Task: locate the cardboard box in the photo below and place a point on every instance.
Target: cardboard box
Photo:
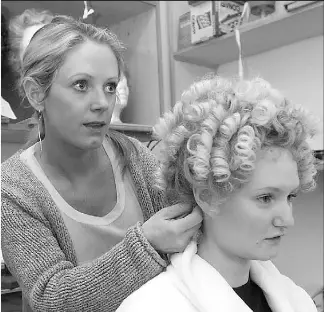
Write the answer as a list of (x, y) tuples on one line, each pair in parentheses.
[(202, 16), (228, 14), (184, 31), (215, 18)]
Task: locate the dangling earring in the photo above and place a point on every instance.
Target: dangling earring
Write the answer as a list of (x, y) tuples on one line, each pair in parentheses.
[(38, 125)]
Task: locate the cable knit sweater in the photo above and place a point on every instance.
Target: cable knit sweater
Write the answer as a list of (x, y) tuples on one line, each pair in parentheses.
[(38, 250)]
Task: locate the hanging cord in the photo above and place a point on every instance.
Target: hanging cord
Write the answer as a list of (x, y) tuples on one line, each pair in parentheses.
[(245, 15)]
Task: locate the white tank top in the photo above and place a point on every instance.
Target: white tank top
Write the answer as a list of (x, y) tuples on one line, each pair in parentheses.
[(93, 236)]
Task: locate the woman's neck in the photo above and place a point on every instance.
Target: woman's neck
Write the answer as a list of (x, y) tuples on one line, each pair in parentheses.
[(68, 160), (234, 270)]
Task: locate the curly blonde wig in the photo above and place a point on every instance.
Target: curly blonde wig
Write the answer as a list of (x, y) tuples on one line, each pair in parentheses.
[(211, 137)]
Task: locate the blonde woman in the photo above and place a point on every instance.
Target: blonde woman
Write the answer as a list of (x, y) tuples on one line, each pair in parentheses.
[(82, 225), (238, 149)]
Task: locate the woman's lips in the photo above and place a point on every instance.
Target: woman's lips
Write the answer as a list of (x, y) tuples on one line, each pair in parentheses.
[(274, 240), (94, 124)]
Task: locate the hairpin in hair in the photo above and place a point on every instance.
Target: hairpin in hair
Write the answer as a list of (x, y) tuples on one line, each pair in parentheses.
[(88, 10)]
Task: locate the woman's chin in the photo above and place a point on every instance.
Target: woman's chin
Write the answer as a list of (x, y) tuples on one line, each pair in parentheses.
[(267, 256)]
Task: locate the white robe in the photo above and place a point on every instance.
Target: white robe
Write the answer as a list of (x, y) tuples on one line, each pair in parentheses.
[(191, 284)]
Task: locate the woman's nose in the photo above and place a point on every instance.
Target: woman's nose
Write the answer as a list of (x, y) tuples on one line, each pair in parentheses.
[(284, 217), (100, 101)]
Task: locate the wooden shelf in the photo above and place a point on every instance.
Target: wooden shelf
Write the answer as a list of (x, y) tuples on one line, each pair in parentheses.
[(18, 133), (258, 36), (10, 291), (140, 132), (110, 12)]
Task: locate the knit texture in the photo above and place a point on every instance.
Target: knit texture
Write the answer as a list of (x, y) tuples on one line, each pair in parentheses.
[(38, 250)]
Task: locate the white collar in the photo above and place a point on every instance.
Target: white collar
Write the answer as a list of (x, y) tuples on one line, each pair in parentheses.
[(208, 291)]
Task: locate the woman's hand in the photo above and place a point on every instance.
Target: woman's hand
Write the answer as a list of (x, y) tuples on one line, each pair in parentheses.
[(171, 228)]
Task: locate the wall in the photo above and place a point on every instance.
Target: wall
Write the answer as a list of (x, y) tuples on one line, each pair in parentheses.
[(301, 254), (139, 35), (297, 70)]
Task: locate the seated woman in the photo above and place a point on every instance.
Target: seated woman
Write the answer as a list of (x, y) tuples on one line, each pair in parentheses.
[(237, 149)]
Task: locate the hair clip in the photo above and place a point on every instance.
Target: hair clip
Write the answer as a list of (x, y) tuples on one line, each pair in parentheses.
[(87, 11)]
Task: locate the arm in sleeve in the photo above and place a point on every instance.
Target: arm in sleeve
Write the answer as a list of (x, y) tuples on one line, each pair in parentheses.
[(50, 282)]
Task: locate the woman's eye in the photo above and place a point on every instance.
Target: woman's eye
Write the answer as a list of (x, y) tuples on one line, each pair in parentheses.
[(291, 197), (81, 85), (111, 87), (265, 199)]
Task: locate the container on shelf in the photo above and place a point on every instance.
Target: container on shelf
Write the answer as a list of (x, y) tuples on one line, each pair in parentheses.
[(214, 19), (184, 31), (202, 16), (228, 16), (262, 8)]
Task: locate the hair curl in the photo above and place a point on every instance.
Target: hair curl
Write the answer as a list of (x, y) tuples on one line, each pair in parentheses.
[(211, 137)]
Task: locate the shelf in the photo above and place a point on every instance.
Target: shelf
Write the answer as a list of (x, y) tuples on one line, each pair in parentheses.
[(258, 36), (131, 127), (110, 12), (18, 133), (140, 132), (10, 291)]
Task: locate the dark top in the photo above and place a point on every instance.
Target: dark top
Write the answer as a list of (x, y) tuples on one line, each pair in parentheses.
[(253, 296)]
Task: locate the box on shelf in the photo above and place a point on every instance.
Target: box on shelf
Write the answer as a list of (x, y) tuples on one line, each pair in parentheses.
[(202, 16), (228, 15), (195, 2), (214, 18), (184, 31)]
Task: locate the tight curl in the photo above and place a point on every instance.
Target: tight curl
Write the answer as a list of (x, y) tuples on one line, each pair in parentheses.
[(212, 136)]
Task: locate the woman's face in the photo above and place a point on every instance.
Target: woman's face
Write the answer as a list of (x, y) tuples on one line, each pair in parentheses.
[(252, 222), (82, 97)]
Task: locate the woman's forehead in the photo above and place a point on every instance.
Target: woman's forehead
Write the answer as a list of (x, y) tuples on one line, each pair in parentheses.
[(275, 168), (91, 58)]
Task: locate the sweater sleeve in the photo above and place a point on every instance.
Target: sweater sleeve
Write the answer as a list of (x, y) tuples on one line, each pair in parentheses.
[(50, 282), (149, 165)]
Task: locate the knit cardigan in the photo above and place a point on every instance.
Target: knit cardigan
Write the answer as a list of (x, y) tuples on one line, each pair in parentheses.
[(38, 250)]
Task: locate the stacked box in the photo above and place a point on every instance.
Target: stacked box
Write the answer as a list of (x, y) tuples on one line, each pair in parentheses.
[(228, 15), (214, 18), (202, 17), (184, 32)]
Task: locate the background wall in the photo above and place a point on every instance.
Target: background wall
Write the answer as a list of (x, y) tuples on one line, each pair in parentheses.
[(139, 34), (301, 254), (297, 70)]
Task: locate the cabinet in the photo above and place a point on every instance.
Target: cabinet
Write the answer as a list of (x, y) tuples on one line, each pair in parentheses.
[(138, 25)]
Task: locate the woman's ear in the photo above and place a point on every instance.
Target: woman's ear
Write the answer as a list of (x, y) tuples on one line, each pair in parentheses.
[(34, 94), (206, 201)]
